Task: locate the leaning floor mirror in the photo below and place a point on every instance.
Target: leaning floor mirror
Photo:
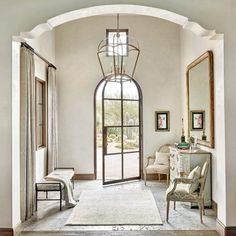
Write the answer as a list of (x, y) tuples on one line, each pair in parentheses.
[(200, 99)]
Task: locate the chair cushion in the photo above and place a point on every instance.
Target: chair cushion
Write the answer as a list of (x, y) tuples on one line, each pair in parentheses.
[(46, 185), (181, 193), (194, 175), (65, 172), (180, 188), (162, 158), (153, 169)]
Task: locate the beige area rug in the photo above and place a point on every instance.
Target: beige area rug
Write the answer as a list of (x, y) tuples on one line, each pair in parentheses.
[(115, 207)]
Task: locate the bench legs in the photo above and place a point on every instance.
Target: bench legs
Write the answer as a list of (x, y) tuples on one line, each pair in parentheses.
[(60, 189), (36, 198), (60, 199)]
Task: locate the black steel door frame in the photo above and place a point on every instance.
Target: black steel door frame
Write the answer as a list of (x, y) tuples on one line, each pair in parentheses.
[(122, 126)]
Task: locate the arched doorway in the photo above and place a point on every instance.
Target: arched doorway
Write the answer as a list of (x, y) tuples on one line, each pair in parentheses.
[(118, 130)]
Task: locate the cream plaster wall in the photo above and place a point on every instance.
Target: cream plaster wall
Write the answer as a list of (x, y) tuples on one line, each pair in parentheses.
[(79, 73), (192, 47), (211, 14), (16, 133)]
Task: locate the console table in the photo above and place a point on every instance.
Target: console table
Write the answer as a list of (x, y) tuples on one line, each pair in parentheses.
[(183, 161)]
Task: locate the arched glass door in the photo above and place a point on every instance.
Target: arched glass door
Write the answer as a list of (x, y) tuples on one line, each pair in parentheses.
[(121, 111)]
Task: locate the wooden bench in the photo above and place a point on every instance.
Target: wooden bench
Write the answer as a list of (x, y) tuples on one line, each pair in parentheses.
[(54, 186)]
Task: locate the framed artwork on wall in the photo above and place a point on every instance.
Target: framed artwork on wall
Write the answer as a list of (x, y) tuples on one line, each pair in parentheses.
[(162, 121), (197, 120)]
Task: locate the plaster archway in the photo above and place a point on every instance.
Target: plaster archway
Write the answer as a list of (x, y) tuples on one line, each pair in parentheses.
[(122, 9), (113, 9)]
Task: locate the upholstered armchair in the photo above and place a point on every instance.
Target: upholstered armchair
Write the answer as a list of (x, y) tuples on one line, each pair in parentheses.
[(189, 189), (159, 163)]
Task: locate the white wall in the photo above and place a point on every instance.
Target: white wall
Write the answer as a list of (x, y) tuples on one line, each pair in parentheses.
[(32, 13), (79, 73), (16, 133), (41, 164), (192, 47)]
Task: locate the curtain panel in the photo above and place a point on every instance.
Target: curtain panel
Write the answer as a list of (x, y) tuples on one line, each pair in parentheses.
[(27, 133), (52, 120)]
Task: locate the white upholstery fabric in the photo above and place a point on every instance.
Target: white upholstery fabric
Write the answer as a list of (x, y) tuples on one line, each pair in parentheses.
[(69, 173), (50, 185), (158, 164), (188, 193), (161, 158), (180, 189), (162, 169), (68, 191), (54, 184), (181, 193), (194, 175), (204, 169)]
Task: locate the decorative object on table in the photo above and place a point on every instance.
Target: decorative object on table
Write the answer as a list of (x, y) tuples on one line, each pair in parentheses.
[(197, 120), (204, 137), (162, 120), (182, 136), (183, 145), (191, 142)]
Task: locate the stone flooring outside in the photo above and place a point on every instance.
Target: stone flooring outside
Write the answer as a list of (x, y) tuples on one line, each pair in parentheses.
[(183, 221), (113, 165)]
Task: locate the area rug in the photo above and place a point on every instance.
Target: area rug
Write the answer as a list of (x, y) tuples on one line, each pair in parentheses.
[(115, 207)]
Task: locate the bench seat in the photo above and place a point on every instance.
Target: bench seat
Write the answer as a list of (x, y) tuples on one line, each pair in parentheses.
[(52, 185), (46, 185)]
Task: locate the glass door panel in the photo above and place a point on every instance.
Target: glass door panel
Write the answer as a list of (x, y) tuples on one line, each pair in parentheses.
[(131, 165), (121, 131), (112, 140), (131, 139), (113, 90), (130, 90), (112, 167), (112, 112), (131, 112)]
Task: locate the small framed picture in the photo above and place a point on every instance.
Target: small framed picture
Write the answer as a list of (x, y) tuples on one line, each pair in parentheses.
[(162, 120), (197, 120)]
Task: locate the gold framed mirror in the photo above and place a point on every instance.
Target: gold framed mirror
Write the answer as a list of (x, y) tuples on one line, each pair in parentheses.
[(200, 99)]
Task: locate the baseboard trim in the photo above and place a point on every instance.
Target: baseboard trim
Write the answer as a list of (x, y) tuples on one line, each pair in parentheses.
[(84, 177), (6, 232), (223, 230)]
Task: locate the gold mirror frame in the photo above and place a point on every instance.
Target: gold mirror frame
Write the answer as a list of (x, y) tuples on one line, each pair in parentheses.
[(207, 55)]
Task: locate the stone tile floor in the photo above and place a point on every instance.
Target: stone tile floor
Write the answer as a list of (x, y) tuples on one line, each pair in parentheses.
[(183, 221)]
